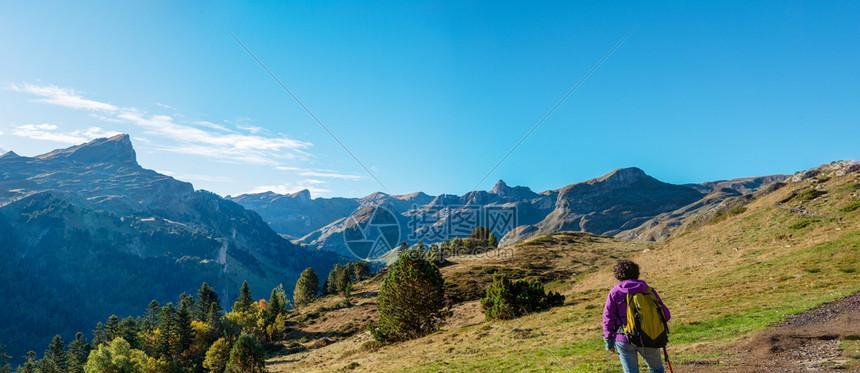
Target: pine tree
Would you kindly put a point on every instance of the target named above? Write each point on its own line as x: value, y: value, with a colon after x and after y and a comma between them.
x: 342, y: 278
x: 243, y: 303
x: 331, y: 280
x: 213, y: 319
x: 277, y: 302
x: 54, y: 358
x: 30, y: 364
x: 246, y: 356
x: 112, y: 327
x: 206, y: 297
x: 128, y: 329
x: 410, y: 300
x: 76, y: 356
x: 306, y: 289
x: 493, y: 242
x: 99, y: 335
x: 360, y: 270
x: 183, y: 321
x: 150, y: 319
x: 167, y: 343
x: 187, y: 301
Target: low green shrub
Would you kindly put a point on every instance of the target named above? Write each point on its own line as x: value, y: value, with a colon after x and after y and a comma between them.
x: 810, y: 194
x: 854, y: 205
x: 803, y: 223
x: 506, y: 299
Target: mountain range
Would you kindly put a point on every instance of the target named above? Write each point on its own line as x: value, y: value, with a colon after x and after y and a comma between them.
x: 627, y: 203
x: 86, y: 232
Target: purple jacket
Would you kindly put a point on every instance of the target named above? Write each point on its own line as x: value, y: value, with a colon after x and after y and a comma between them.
x: 615, y: 310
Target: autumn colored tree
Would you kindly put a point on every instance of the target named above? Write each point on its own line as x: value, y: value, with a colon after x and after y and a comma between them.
x: 118, y: 356
x: 217, y: 356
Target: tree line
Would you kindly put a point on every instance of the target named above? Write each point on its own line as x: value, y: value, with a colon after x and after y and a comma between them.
x: 194, y: 334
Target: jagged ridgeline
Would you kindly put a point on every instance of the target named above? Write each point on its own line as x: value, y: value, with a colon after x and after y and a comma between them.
x: 627, y: 203
x: 86, y: 232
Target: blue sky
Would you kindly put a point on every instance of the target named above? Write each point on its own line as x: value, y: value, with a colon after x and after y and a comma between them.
x: 430, y: 95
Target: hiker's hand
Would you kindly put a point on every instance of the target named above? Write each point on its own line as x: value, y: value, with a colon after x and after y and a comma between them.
x: 610, y: 345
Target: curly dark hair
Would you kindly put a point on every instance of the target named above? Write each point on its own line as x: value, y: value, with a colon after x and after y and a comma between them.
x: 626, y: 270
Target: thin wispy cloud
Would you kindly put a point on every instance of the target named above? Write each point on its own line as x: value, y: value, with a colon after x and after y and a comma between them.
x: 51, y: 132
x: 328, y: 174
x: 333, y: 175
x: 165, y: 106
x: 250, y: 129
x: 212, y: 125
x: 229, y: 142
x: 203, y: 138
x: 55, y: 95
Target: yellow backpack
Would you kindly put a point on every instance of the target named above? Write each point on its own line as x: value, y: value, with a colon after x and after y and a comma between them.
x: 646, y: 325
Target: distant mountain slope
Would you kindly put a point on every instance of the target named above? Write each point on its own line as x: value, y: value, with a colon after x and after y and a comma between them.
x: 296, y: 214
x: 722, y: 198
x: 619, y: 200
x: 615, y: 203
x: 87, y: 232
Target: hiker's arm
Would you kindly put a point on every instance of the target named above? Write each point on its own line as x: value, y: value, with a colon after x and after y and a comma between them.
x: 609, y: 322
x: 663, y: 306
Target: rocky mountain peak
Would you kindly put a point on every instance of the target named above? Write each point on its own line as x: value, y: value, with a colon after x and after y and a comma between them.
x: 302, y: 195
x: 622, y: 176
x: 503, y: 190
x: 500, y: 188
x: 9, y: 155
x: 116, y: 149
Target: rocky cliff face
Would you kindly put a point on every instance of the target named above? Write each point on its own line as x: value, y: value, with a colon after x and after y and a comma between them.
x: 87, y: 226
x: 619, y: 200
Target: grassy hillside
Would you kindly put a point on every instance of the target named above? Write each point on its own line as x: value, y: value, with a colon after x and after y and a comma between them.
x: 725, y: 281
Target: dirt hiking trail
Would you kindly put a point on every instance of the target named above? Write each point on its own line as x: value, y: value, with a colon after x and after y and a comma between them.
x: 807, y: 342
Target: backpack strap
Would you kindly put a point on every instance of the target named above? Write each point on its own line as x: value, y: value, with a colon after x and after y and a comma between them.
x: 660, y: 305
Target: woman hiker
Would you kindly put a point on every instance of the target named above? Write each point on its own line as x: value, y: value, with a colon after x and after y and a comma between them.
x: 615, y: 318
